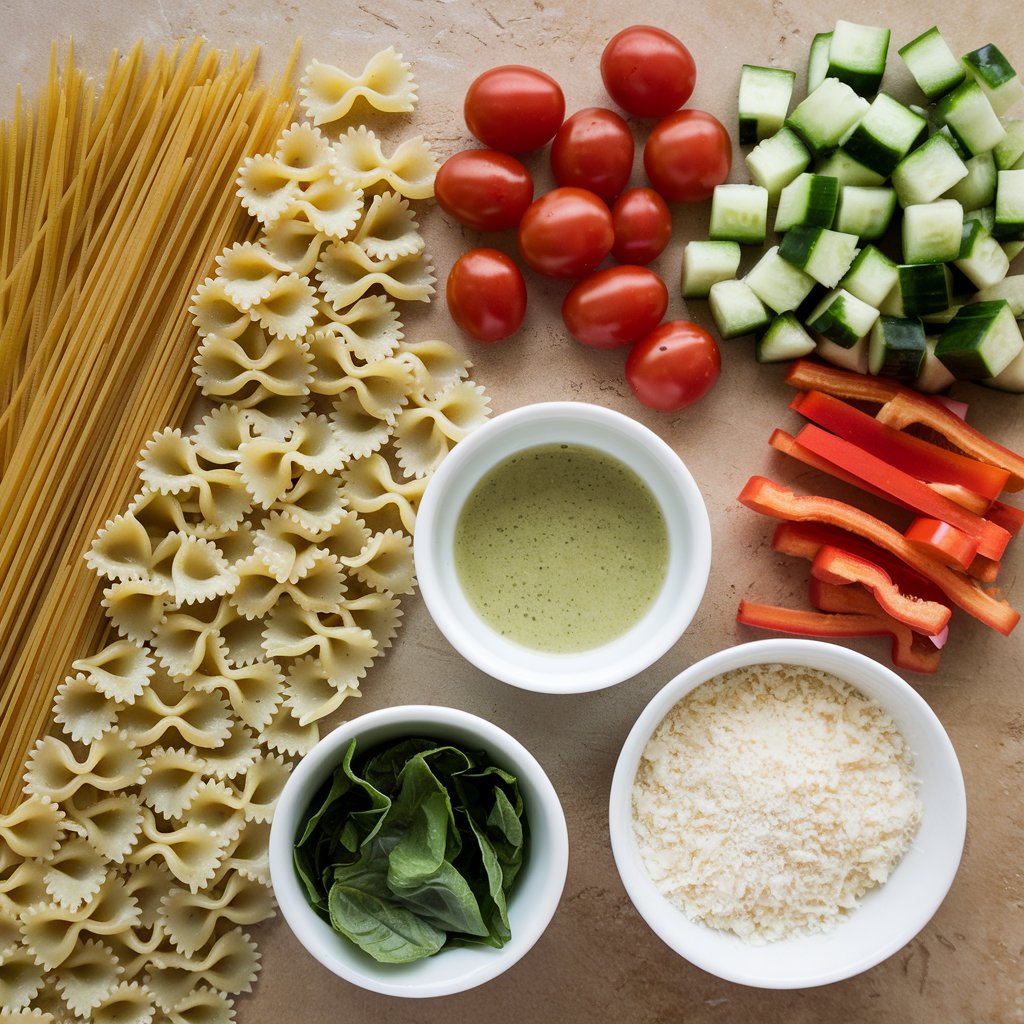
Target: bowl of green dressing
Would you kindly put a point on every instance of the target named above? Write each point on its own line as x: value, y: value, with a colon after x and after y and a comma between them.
x: 562, y: 547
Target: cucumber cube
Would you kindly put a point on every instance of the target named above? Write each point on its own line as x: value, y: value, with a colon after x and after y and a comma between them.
x: 934, y: 377
x: 826, y: 115
x: 1009, y: 212
x: 842, y: 318
x: 847, y: 171
x: 922, y: 288
x: 739, y: 213
x: 885, y: 134
x: 932, y: 64
x: 985, y: 216
x: 807, y: 199
x: 775, y: 162
x: 777, y: 283
x: 1011, y: 289
x: 982, y: 259
x: 968, y: 114
x: 996, y: 77
x: 928, y: 171
x: 865, y: 211
x: 853, y: 358
x: 825, y: 255
x: 785, y: 339
x: 765, y: 94
x: 896, y: 348
x: 978, y: 188
x: 817, y: 60
x: 932, y: 232
x: 871, y: 277
x: 856, y: 56
x: 736, y: 310
x: 706, y: 263
x: 980, y: 341
x: 1011, y: 148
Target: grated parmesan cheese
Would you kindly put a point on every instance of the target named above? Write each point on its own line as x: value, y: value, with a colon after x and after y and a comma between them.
x: 771, y: 798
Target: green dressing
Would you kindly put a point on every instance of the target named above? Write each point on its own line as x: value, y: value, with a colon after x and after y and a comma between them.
x: 561, y: 548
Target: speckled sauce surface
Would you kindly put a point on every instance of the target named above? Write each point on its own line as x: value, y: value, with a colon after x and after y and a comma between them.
x: 598, y: 960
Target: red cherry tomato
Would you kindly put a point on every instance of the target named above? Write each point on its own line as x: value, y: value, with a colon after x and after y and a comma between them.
x: 647, y: 71
x: 616, y: 306
x: 486, y: 294
x: 642, y: 223
x: 594, y: 149
x: 566, y: 233
x: 514, y: 108
x: 687, y: 155
x: 673, y: 366
x: 484, y: 189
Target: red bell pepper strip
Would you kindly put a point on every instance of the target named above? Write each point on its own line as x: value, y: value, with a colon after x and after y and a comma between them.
x: 827, y: 624
x: 983, y: 569
x: 1009, y: 517
x: 772, y: 499
x: 900, y: 407
x: 834, y: 565
x: 922, y: 459
x: 908, y: 491
x: 970, y: 500
x: 942, y: 541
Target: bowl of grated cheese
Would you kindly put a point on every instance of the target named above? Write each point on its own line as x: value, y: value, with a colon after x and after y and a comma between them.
x: 787, y: 813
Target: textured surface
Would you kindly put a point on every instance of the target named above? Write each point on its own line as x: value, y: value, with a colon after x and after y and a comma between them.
x: 598, y: 958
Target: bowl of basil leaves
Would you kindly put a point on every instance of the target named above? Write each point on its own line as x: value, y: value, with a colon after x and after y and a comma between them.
x: 418, y: 851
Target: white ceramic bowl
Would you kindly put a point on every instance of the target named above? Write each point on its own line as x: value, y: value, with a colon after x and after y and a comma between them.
x: 533, y: 899
x: 657, y: 465
x: 889, y: 916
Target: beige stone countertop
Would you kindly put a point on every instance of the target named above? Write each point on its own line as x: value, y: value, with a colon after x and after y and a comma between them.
x: 598, y: 960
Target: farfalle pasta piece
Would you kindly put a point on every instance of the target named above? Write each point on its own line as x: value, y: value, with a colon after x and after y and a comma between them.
x: 120, y: 671
x: 81, y: 710
x: 370, y: 328
x: 87, y: 977
x: 230, y: 964
x: 160, y: 514
x: 190, y: 921
x: 273, y: 415
x: 110, y: 824
x: 135, y: 607
x: 234, y: 754
x: 74, y: 874
x: 427, y: 431
x: 172, y: 781
x: 314, y: 501
x: 202, y: 1005
x: 134, y: 948
x: 26, y: 884
x: 360, y: 432
x: 243, y: 640
x: 304, y: 151
x: 369, y: 487
x: 285, y: 735
x: 436, y: 366
x: 318, y: 589
x: 111, y: 763
x: 410, y: 169
x: 327, y: 94
x: 310, y: 695
x: 346, y: 273
x: 213, y: 311
x: 33, y: 828
x: 224, y: 369
x: 219, y: 435
x: 237, y: 544
x: 330, y: 204
x: 128, y: 1002
x: 293, y: 243
x: 192, y: 569
x: 192, y: 853
x: 121, y: 550
x: 379, y: 614
x: 347, y: 539
x: 217, y: 806
x: 266, y: 187
x: 248, y: 273
x: 261, y: 787
x: 186, y: 636
x: 10, y: 926
x: 386, y: 563
x: 381, y: 387
x: 148, y: 884
x: 388, y: 230
x: 20, y: 979
x: 253, y: 691
x: 286, y: 548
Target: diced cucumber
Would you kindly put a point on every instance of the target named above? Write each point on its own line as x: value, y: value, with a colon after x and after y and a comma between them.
x: 739, y: 213
x: 765, y: 94
x: 996, y: 77
x: 826, y: 115
x: 847, y: 171
x: 932, y: 64
x: 980, y: 341
x: 985, y: 216
x: 978, y: 188
x: 885, y: 134
x: 1011, y: 378
x: 785, y: 339
x: 1011, y: 289
x: 706, y: 263
x: 865, y: 211
x: 856, y: 56
x: 777, y: 283
x: 934, y: 377
x: 932, y: 232
x: 817, y: 60
x: 928, y: 171
x: 1011, y: 147
x: 871, y: 276
x: 736, y: 309
x: 824, y: 254
x: 981, y: 258
x: 842, y: 318
x: 969, y: 115
x: 942, y: 317
x: 923, y: 288
x: 854, y: 358
x: 807, y: 199
x: 896, y: 348
x: 776, y: 161
x: 1009, y: 213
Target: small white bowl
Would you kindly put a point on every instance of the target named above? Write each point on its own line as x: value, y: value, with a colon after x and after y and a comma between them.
x: 534, y: 896
x: 622, y: 438
x: 890, y: 915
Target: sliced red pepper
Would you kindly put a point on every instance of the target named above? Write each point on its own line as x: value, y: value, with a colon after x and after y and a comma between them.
x: 908, y: 491
x: 942, y: 541
x: 901, y: 407
x: 983, y: 569
x: 959, y: 495
x: 834, y: 565
x: 772, y: 499
x: 1009, y: 517
x: 827, y: 624
x: 922, y: 459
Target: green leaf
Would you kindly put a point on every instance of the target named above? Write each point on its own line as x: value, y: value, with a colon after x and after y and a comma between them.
x: 390, y: 933
x: 494, y: 909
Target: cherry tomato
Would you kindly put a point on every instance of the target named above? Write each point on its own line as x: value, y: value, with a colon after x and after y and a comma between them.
x: 616, y: 306
x: 642, y: 223
x: 687, y: 155
x: 486, y: 294
x: 514, y: 108
x: 566, y: 233
x: 673, y: 366
x: 647, y: 71
x: 594, y: 149
x: 484, y: 189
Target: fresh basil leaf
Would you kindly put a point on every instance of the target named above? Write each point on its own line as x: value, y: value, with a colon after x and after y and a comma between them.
x: 444, y: 899
x: 389, y: 932
x: 340, y: 785
x: 504, y: 819
x: 383, y: 768
x: 495, y: 910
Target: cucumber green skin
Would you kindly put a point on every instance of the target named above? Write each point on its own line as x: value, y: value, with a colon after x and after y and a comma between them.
x: 936, y: 86
x: 959, y: 346
x: 924, y: 288
x: 833, y: 324
x: 990, y: 65
x: 903, y: 347
x: 872, y: 153
x: 798, y: 244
